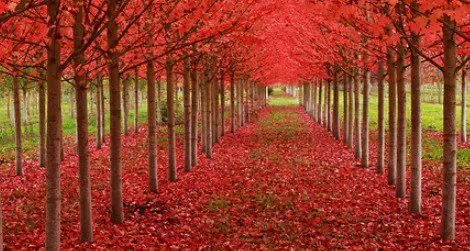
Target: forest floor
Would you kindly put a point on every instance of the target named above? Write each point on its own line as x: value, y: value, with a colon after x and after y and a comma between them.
x: 281, y: 181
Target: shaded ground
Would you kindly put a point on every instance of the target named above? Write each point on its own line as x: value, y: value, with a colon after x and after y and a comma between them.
x: 282, y: 181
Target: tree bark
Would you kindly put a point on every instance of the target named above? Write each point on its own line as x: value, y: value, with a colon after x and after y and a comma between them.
x: 416, y: 149
x: 159, y: 102
x: 345, y: 109
x: 53, y: 195
x: 350, y: 141
x: 401, y: 132
x: 117, y: 213
x: 463, y: 104
x: 103, y: 111
x: 232, y: 102
x: 125, y: 105
x: 194, y: 114
x: 81, y: 97
x: 187, y: 116
x: 357, y: 117
x: 136, y: 100
x: 18, y: 140
x: 450, y: 143
x: 171, y: 120
x: 392, y: 110
x: 98, y: 114
x: 365, y: 117
x: 222, y: 102
x: 207, y: 99
x: 319, y: 106
x: 381, y: 120
x: 328, y: 105
x: 42, y: 125
x: 152, y: 129
x: 336, y: 129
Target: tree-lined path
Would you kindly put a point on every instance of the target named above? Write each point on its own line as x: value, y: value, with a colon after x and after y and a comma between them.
x: 281, y: 181
x: 143, y: 124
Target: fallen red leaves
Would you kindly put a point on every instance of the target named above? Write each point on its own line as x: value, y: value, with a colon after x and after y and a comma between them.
x: 281, y: 182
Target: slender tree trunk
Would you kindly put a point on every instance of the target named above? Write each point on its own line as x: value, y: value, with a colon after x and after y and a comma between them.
x: 365, y: 117
x: 171, y: 120
x: 159, y: 102
x: 463, y: 104
x: 381, y: 120
x: 86, y: 231
x: 25, y: 107
x: 401, y: 133
x: 207, y: 100
x: 416, y: 149
x: 215, y: 111
x: 117, y: 213
x: 319, y: 108
x: 232, y: 102
x: 222, y: 102
x: 345, y: 109
x: 203, y: 106
x: 42, y: 125
x: 357, y: 118
x: 242, y: 102
x: 239, y: 104
x: 187, y: 116
x: 450, y: 142
x: 103, y: 111
x: 392, y: 110
x: 98, y: 114
x: 136, y: 100
x: 18, y: 140
x: 125, y: 105
x: 194, y: 114
x: 328, y: 105
x: 53, y: 195
x: 152, y: 129
x: 350, y: 141
x: 336, y: 131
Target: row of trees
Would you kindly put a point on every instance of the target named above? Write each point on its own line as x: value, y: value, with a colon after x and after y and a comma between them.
x: 109, y: 44
x: 385, y: 38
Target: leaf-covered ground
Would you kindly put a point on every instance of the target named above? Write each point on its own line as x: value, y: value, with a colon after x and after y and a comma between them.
x: 282, y: 181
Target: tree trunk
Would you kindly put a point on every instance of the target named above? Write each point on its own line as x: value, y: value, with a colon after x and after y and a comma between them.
x: 401, y: 133
x: 187, y: 116
x: 203, y: 107
x: 171, y: 120
x: 18, y: 141
x: 215, y: 111
x: 152, y: 129
x: 53, y: 195
x: 117, y: 214
x: 350, y: 141
x: 194, y: 114
x: 319, y: 108
x: 86, y: 232
x: 365, y: 117
x: 357, y: 117
x: 98, y: 114
x: 392, y: 110
x: 207, y: 100
x: 463, y: 103
x: 159, y: 102
x: 450, y: 144
x: 42, y: 125
x: 336, y: 131
x: 222, y: 102
x: 416, y: 149
x: 136, y: 100
x: 345, y: 109
x: 103, y: 111
x: 125, y: 105
x: 381, y: 120
x: 232, y: 102
x: 239, y: 104
x: 328, y: 105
